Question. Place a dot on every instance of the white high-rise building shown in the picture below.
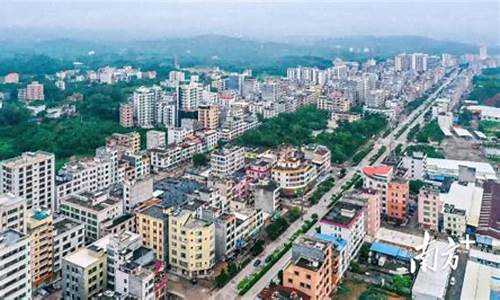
(166, 114)
(402, 62)
(15, 265)
(483, 52)
(419, 62)
(189, 96)
(145, 100)
(31, 177)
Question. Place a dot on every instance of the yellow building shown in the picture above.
(191, 244)
(84, 273)
(41, 231)
(152, 225)
(208, 116)
(294, 175)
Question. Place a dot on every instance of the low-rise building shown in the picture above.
(415, 163)
(294, 175)
(84, 273)
(227, 161)
(429, 207)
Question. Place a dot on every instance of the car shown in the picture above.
(256, 263)
(268, 259)
(452, 281)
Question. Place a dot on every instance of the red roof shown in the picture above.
(377, 170)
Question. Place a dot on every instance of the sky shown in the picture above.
(464, 20)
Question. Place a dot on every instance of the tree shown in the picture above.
(257, 248)
(401, 283)
(200, 159)
(415, 186)
(293, 214)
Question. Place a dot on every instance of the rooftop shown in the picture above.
(175, 191)
(394, 237)
(465, 197)
(84, 257)
(377, 170)
(65, 224)
(9, 237)
(8, 199)
(479, 280)
(342, 213)
(27, 158)
(339, 244)
(308, 263)
(489, 219)
(40, 215)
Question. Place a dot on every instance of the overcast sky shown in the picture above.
(470, 21)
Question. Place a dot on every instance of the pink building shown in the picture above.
(126, 115)
(258, 170)
(377, 178)
(11, 78)
(34, 92)
(371, 200)
(398, 195)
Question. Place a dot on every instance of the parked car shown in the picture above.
(256, 263)
(268, 259)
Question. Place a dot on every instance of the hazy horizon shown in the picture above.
(464, 21)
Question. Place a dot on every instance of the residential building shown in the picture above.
(152, 226)
(320, 156)
(93, 210)
(377, 178)
(248, 223)
(208, 116)
(419, 62)
(124, 143)
(402, 62)
(69, 236)
(488, 231)
(415, 163)
(398, 196)
(166, 113)
(334, 102)
(189, 96)
(34, 92)
(11, 78)
(12, 213)
(40, 229)
(84, 273)
(429, 207)
(345, 221)
(156, 139)
(191, 243)
(31, 177)
(267, 196)
(145, 100)
(127, 115)
(225, 235)
(483, 52)
(371, 201)
(226, 161)
(311, 269)
(15, 265)
(135, 192)
(294, 175)
(177, 135)
(259, 169)
(454, 220)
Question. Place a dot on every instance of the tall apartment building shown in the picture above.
(84, 273)
(402, 62)
(429, 207)
(415, 164)
(93, 210)
(371, 200)
(41, 232)
(483, 52)
(127, 115)
(312, 268)
(12, 212)
(34, 92)
(208, 116)
(135, 192)
(31, 177)
(419, 62)
(377, 178)
(176, 76)
(69, 237)
(156, 139)
(228, 160)
(189, 96)
(191, 243)
(166, 113)
(398, 196)
(145, 100)
(15, 265)
(152, 225)
(345, 221)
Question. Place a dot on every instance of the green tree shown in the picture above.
(401, 283)
(200, 159)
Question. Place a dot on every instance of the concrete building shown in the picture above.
(371, 201)
(483, 52)
(40, 229)
(398, 196)
(482, 276)
(208, 116)
(191, 243)
(34, 92)
(127, 115)
(189, 96)
(488, 231)
(69, 236)
(294, 175)
(93, 210)
(152, 226)
(31, 177)
(336, 103)
(377, 178)
(12, 213)
(156, 139)
(226, 161)
(345, 221)
(84, 273)
(11, 78)
(135, 192)
(415, 163)
(312, 268)
(454, 220)
(419, 62)
(429, 207)
(15, 265)
(402, 62)
(320, 156)
(145, 99)
(267, 196)
(167, 114)
(124, 143)
(439, 169)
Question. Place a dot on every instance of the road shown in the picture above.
(229, 291)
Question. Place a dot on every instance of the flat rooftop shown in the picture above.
(465, 197)
(8, 199)
(9, 237)
(83, 258)
(308, 263)
(175, 191)
(398, 238)
(65, 224)
(479, 280)
(489, 219)
(342, 213)
(27, 158)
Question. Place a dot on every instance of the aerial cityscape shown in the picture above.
(249, 150)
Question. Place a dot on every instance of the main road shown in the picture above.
(230, 291)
